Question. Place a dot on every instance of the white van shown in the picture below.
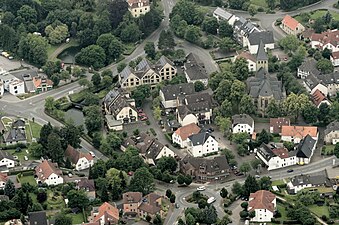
(211, 200)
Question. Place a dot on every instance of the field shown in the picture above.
(77, 218)
(35, 129)
(319, 13)
(319, 210)
(259, 3)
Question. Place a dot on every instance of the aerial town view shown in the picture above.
(169, 112)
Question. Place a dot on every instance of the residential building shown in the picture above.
(254, 39)
(332, 133)
(11, 84)
(309, 66)
(106, 214)
(16, 134)
(195, 108)
(297, 133)
(42, 84)
(277, 123)
(302, 181)
(223, 15)
(291, 26)
(242, 123)
(48, 173)
(180, 136)
(37, 218)
(335, 58)
(328, 39)
(202, 144)
(305, 150)
(142, 142)
(194, 70)
(147, 73)
(319, 98)
(251, 60)
(88, 186)
(205, 169)
(169, 94)
(138, 7)
(131, 202)
(79, 160)
(3, 180)
(150, 206)
(264, 203)
(6, 159)
(242, 29)
(276, 158)
(113, 124)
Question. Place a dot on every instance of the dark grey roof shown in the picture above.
(15, 134)
(194, 68)
(163, 61)
(333, 126)
(5, 155)
(242, 119)
(265, 36)
(37, 218)
(199, 138)
(18, 123)
(199, 102)
(183, 111)
(310, 65)
(125, 73)
(171, 92)
(120, 103)
(264, 84)
(266, 151)
(212, 165)
(241, 25)
(261, 54)
(86, 184)
(316, 179)
(222, 13)
(111, 96)
(154, 150)
(305, 147)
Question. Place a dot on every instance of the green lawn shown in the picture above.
(55, 201)
(51, 49)
(76, 218)
(224, 66)
(282, 211)
(28, 179)
(276, 139)
(327, 150)
(277, 182)
(319, 210)
(129, 48)
(21, 155)
(35, 129)
(319, 13)
(28, 133)
(259, 3)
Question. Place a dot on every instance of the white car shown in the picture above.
(26, 158)
(211, 200)
(201, 188)
(92, 154)
(257, 176)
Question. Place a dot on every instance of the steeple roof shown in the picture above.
(261, 54)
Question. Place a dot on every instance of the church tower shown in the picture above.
(262, 58)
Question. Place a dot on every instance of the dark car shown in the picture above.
(290, 171)
(210, 130)
(177, 205)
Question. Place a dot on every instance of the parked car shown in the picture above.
(177, 205)
(142, 114)
(92, 154)
(144, 118)
(240, 174)
(211, 200)
(201, 188)
(257, 176)
(26, 158)
(210, 130)
(139, 110)
(290, 171)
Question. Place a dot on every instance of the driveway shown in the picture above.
(8, 65)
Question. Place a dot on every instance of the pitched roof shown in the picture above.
(5, 155)
(74, 155)
(222, 13)
(15, 134)
(247, 55)
(45, 169)
(154, 150)
(135, 3)
(277, 123)
(86, 184)
(262, 200)
(318, 97)
(261, 53)
(131, 197)
(185, 131)
(199, 138)
(171, 92)
(242, 119)
(305, 147)
(107, 209)
(317, 178)
(331, 127)
(215, 164)
(39, 81)
(299, 131)
(265, 36)
(329, 36)
(269, 151)
(120, 103)
(335, 55)
(111, 96)
(290, 22)
(194, 68)
(309, 65)
(149, 204)
(37, 218)
(18, 123)
(3, 177)
(199, 102)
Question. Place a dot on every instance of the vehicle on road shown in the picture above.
(210, 130)
(201, 188)
(257, 176)
(177, 205)
(92, 154)
(142, 114)
(290, 171)
(211, 200)
(144, 118)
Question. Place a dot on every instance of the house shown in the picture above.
(205, 169)
(291, 26)
(79, 160)
(150, 206)
(305, 150)
(309, 66)
(332, 133)
(131, 202)
(277, 123)
(223, 15)
(37, 218)
(264, 203)
(42, 84)
(251, 60)
(147, 73)
(242, 29)
(201, 144)
(113, 124)
(302, 181)
(328, 39)
(11, 84)
(138, 7)
(106, 214)
(194, 70)
(276, 158)
(253, 40)
(195, 108)
(6, 159)
(242, 123)
(142, 142)
(297, 133)
(88, 186)
(48, 173)
(16, 134)
(122, 108)
(3, 180)
(169, 94)
(180, 136)
(335, 58)
(319, 98)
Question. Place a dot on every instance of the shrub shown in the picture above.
(261, 9)
(153, 131)
(148, 122)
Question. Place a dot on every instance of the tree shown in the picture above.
(77, 199)
(319, 25)
(273, 109)
(167, 164)
(190, 220)
(9, 189)
(187, 179)
(226, 44)
(265, 183)
(33, 48)
(56, 34)
(243, 214)
(271, 4)
(289, 43)
(295, 104)
(28, 14)
(71, 135)
(117, 9)
(237, 4)
(131, 33)
(325, 66)
(93, 55)
(240, 69)
(264, 137)
(223, 192)
(93, 122)
(336, 150)
(199, 86)
(157, 113)
(187, 11)
(245, 167)
(157, 220)
(193, 34)
(225, 29)
(142, 181)
(168, 193)
(181, 179)
(224, 124)
(62, 219)
(246, 105)
(289, 145)
(150, 50)
(237, 189)
(240, 138)
(54, 149)
(36, 149)
(41, 196)
(45, 131)
(224, 221)
(250, 186)
(244, 205)
(112, 46)
(310, 113)
(252, 10)
(172, 198)
(238, 90)
(209, 215)
(210, 25)
(141, 93)
(166, 41)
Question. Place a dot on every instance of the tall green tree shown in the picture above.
(150, 50)
(92, 56)
(9, 189)
(93, 122)
(54, 149)
(250, 186)
(33, 48)
(142, 181)
(63, 219)
(240, 69)
(225, 29)
(246, 105)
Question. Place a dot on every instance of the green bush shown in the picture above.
(153, 131)
(168, 137)
(148, 122)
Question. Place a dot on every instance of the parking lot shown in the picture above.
(8, 65)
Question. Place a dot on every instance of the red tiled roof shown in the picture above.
(186, 131)
(107, 209)
(299, 131)
(277, 123)
(75, 155)
(335, 55)
(37, 81)
(262, 200)
(45, 169)
(131, 197)
(3, 177)
(281, 152)
(330, 36)
(290, 22)
(246, 55)
(318, 97)
(150, 204)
